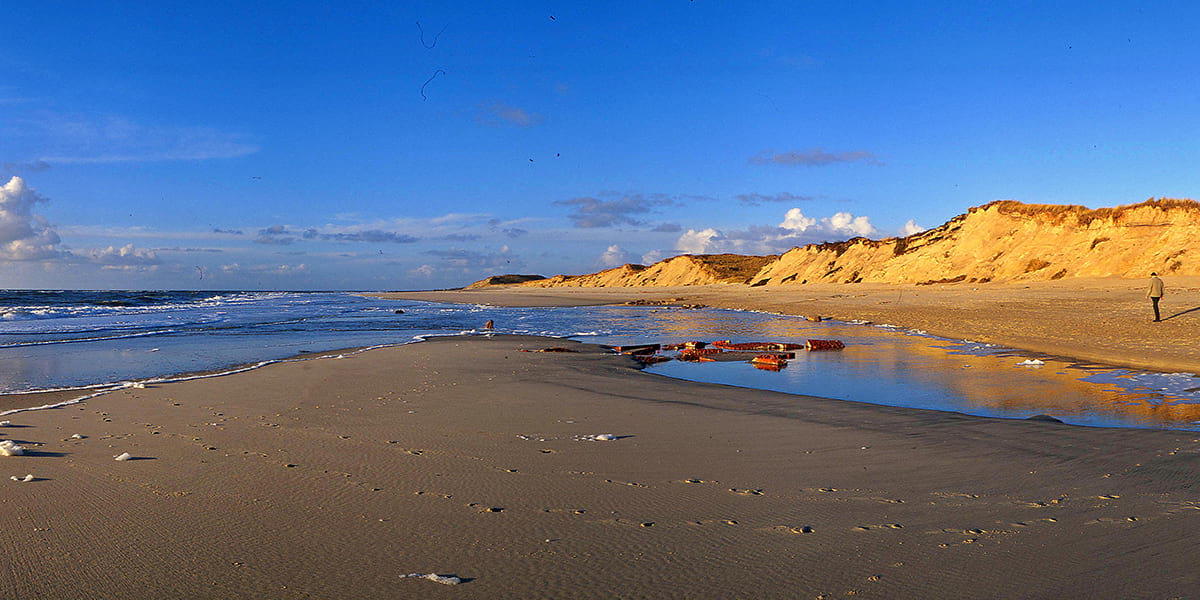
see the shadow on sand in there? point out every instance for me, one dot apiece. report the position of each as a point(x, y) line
point(1181, 313)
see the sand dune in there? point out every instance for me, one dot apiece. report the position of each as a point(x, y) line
point(701, 269)
point(999, 241)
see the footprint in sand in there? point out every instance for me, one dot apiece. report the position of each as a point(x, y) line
point(879, 527)
point(573, 511)
point(703, 522)
point(1046, 503)
point(415, 452)
point(695, 481)
point(1175, 507)
point(954, 495)
point(973, 531)
point(747, 491)
point(628, 483)
point(1108, 497)
point(793, 529)
point(1113, 520)
point(485, 508)
point(438, 494)
point(631, 523)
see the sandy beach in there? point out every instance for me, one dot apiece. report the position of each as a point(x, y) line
point(1099, 320)
point(333, 478)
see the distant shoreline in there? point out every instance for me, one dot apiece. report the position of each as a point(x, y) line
point(1104, 321)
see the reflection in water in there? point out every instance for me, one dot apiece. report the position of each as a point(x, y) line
point(75, 344)
point(889, 366)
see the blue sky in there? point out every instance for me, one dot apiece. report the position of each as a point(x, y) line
point(288, 145)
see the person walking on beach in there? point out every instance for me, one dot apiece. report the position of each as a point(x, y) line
point(1155, 294)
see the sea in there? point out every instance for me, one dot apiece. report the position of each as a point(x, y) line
point(99, 340)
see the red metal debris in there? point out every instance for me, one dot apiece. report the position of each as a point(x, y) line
point(825, 345)
point(651, 359)
point(757, 346)
point(769, 359)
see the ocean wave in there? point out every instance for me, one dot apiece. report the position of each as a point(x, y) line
point(87, 339)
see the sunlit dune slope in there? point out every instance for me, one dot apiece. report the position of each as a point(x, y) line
point(690, 269)
point(1000, 241)
point(509, 279)
point(1008, 241)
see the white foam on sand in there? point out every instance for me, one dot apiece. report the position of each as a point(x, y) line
point(123, 456)
point(1031, 362)
point(5, 423)
point(10, 448)
point(25, 479)
point(442, 579)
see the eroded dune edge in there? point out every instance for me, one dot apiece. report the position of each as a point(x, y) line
point(999, 241)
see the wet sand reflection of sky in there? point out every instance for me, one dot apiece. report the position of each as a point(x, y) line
point(892, 366)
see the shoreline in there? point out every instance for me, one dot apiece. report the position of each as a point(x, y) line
point(1099, 321)
point(68, 396)
point(397, 463)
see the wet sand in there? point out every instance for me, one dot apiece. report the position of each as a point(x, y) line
point(333, 478)
point(1098, 320)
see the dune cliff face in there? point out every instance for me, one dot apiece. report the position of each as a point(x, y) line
point(509, 279)
point(689, 269)
point(1011, 241)
point(1000, 241)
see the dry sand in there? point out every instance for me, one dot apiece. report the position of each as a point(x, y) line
point(1098, 320)
point(333, 478)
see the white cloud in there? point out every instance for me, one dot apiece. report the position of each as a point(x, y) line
point(614, 256)
point(844, 222)
point(796, 229)
point(125, 258)
point(281, 269)
point(698, 242)
point(497, 113)
point(24, 235)
point(233, 268)
point(423, 271)
point(89, 139)
point(652, 257)
point(795, 220)
point(910, 228)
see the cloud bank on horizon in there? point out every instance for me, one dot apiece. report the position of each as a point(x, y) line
point(26, 237)
point(201, 150)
